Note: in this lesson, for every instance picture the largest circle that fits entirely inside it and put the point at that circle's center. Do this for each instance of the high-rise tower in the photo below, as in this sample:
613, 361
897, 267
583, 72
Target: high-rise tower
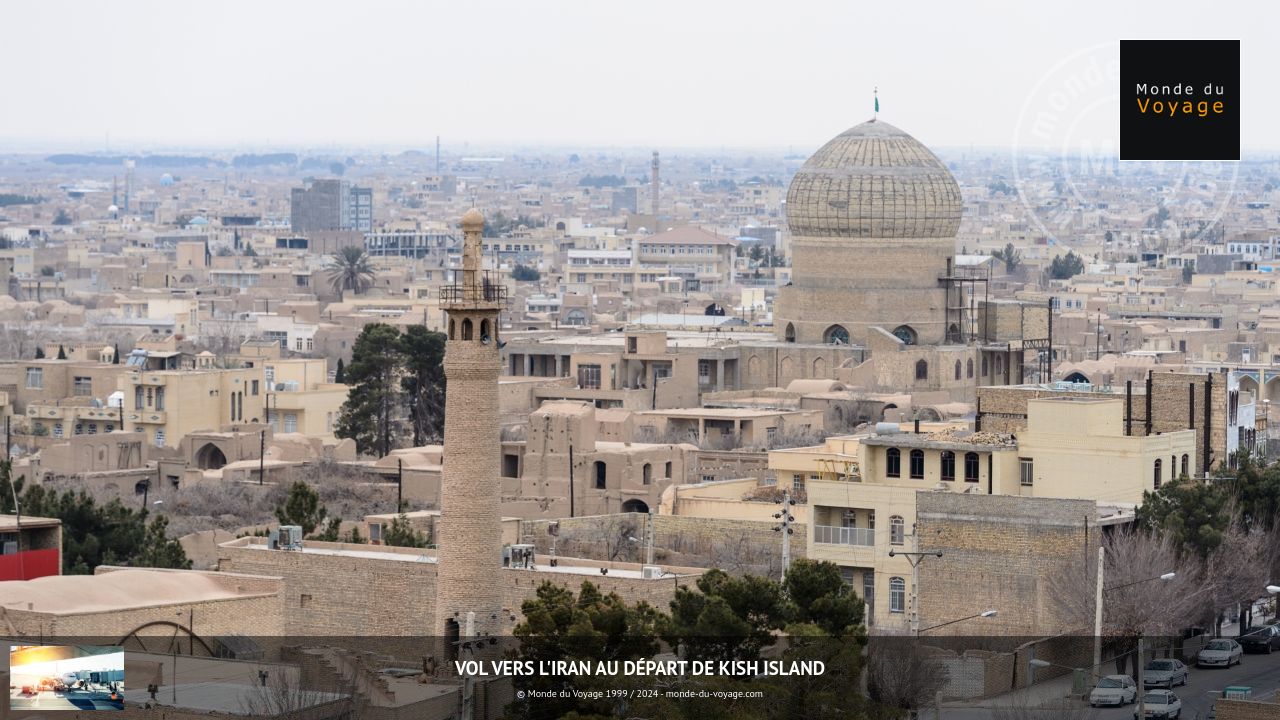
470, 527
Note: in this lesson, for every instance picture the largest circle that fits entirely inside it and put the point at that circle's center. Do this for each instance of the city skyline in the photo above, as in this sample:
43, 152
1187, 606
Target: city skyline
579, 76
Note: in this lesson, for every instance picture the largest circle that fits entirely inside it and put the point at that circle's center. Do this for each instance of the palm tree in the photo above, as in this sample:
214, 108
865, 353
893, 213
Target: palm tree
351, 270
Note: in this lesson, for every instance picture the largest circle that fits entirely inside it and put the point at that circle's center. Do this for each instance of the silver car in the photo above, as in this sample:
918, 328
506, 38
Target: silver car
1160, 704
1114, 690
1222, 652
1164, 673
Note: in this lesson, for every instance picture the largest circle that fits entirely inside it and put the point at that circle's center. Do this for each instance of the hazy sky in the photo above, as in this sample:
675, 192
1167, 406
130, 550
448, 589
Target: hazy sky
693, 73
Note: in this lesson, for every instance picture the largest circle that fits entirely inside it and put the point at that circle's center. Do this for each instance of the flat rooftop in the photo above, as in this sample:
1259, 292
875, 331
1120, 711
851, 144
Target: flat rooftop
9, 523
113, 591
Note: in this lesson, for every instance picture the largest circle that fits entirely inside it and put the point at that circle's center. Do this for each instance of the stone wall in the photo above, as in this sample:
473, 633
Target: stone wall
998, 553
1247, 710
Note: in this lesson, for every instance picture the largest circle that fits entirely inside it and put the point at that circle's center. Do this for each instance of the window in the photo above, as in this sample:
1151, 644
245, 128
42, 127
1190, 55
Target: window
897, 595
1026, 472
1185, 460
159, 398
893, 463
846, 575
57, 430
984, 365
948, 465
836, 335
704, 371
375, 532
160, 437
646, 475
668, 470
797, 483
1157, 474
922, 370
290, 422
971, 467
79, 429
82, 387
35, 378
137, 398
917, 464
600, 475
589, 377
897, 530
253, 387
957, 369
968, 373
269, 373
297, 344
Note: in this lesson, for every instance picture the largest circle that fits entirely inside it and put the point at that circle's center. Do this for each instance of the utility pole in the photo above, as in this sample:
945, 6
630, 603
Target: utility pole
915, 557
1142, 705
1097, 617
784, 526
648, 540
399, 484
262, 455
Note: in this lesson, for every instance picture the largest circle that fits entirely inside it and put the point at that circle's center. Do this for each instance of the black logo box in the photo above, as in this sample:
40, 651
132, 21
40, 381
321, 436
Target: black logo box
1208, 132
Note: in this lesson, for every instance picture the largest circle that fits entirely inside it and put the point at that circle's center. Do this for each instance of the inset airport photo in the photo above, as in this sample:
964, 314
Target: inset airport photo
66, 677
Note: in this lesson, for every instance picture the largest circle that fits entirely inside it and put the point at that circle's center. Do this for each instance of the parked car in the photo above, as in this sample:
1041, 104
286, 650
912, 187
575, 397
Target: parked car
1160, 704
1222, 652
1164, 673
1263, 639
1114, 690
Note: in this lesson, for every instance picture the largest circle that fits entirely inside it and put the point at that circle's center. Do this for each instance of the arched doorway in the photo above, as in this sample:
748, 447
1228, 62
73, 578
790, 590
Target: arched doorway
1076, 377
635, 506
210, 457
790, 333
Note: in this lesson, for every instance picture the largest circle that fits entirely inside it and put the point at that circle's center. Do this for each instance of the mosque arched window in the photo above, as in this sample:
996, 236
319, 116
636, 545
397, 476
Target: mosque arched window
922, 369
790, 334
836, 335
906, 334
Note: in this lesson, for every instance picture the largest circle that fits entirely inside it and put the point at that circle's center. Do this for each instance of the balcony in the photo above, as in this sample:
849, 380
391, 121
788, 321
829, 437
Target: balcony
832, 535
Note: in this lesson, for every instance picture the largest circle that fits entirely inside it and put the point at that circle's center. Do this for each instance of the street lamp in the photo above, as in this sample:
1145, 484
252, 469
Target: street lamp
983, 614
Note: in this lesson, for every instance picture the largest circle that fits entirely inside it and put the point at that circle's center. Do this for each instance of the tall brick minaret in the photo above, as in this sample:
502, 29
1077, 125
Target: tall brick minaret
470, 538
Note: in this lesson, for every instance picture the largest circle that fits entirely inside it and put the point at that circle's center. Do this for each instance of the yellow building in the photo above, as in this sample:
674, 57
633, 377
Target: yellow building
165, 405
861, 492
300, 397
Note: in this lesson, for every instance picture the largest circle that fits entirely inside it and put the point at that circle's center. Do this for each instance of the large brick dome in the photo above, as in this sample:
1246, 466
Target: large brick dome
874, 181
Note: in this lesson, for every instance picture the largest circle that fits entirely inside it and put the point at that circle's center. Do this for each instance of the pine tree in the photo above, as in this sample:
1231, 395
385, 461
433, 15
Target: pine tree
423, 382
39, 353
62, 353
340, 375
370, 413
115, 360
302, 507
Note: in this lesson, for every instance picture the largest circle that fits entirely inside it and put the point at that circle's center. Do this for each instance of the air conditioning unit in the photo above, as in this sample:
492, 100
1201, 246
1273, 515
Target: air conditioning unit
290, 537
651, 572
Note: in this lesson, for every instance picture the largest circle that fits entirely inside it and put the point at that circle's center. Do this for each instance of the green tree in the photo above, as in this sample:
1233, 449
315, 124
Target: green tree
94, 534
249, 251
340, 374
302, 507
525, 273
369, 414
1255, 490
726, 618
822, 598
400, 533
115, 357
39, 353
351, 269
62, 353
47, 271
591, 626
1066, 266
423, 383
62, 218
1193, 512
1010, 255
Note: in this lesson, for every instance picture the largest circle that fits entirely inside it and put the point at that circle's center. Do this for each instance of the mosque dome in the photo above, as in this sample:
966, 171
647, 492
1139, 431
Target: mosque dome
874, 181
166, 179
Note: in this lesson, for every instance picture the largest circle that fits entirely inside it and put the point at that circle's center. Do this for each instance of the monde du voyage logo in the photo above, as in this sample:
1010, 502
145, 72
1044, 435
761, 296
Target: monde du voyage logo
1179, 99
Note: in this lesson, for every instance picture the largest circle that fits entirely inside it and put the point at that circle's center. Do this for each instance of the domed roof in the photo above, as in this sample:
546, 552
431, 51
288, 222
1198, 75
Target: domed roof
874, 181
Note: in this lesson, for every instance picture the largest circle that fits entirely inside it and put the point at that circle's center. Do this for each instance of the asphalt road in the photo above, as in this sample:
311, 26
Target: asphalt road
1260, 672
69, 700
